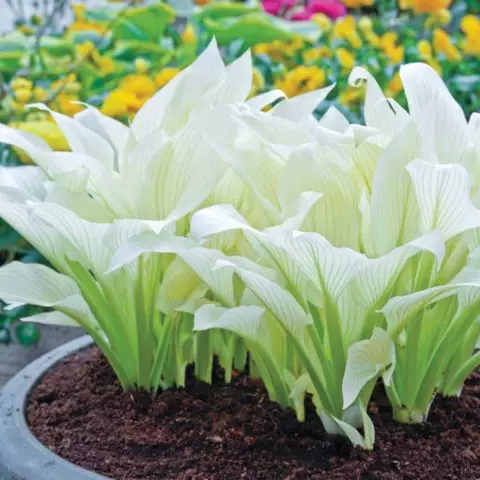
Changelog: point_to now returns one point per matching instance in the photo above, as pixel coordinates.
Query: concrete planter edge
(22, 456)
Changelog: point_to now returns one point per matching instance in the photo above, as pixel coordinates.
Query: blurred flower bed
(116, 57)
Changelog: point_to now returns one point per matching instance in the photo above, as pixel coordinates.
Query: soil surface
(230, 432)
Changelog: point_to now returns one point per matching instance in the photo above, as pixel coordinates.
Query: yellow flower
(426, 54)
(120, 103)
(395, 53)
(444, 16)
(314, 54)
(86, 26)
(189, 35)
(140, 85)
(258, 82)
(47, 131)
(165, 75)
(424, 49)
(365, 24)
(22, 95)
(64, 104)
(40, 94)
(346, 28)
(394, 86)
(72, 88)
(87, 51)
(21, 82)
(301, 79)
(322, 21)
(470, 26)
(358, 3)
(429, 6)
(345, 58)
(279, 50)
(442, 43)
(405, 4)
(141, 65)
(79, 10)
(84, 50)
(373, 39)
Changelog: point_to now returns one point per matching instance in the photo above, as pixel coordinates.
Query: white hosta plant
(77, 207)
(400, 303)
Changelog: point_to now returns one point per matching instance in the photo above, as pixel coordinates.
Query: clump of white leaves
(335, 254)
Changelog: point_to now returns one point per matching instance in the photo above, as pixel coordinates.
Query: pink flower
(277, 7)
(331, 8)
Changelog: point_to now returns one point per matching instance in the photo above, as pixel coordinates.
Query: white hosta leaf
(34, 284)
(200, 260)
(324, 170)
(353, 434)
(182, 172)
(366, 360)
(440, 119)
(329, 268)
(380, 112)
(180, 286)
(81, 139)
(297, 108)
(294, 215)
(372, 286)
(108, 128)
(238, 81)
(203, 261)
(443, 198)
(27, 142)
(170, 108)
(378, 274)
(394, 213)
(400, 310)
(334, 120)
(52, 318)
(81, 203)
(244, 321)
(264, 99)
(28, 179)
(365, 158)
(277, 300)
(19, 217)
(217, 219)
(135, 245)
(82, 240)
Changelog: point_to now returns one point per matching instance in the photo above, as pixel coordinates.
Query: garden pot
(22, 456)
(214, 432)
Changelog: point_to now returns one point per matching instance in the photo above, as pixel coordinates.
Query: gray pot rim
(22, 456)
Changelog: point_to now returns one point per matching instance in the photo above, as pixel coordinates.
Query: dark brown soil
(230, 432)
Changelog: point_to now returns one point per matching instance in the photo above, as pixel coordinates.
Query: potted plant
(211, 243)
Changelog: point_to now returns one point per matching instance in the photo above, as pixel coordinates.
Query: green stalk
(240, 355)
(320, 390)
(204, 355)
(267, 365)
(455, 383)
(104, 348)
(411, 357)
(437, 362)
(143, 351)
(161, 355)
